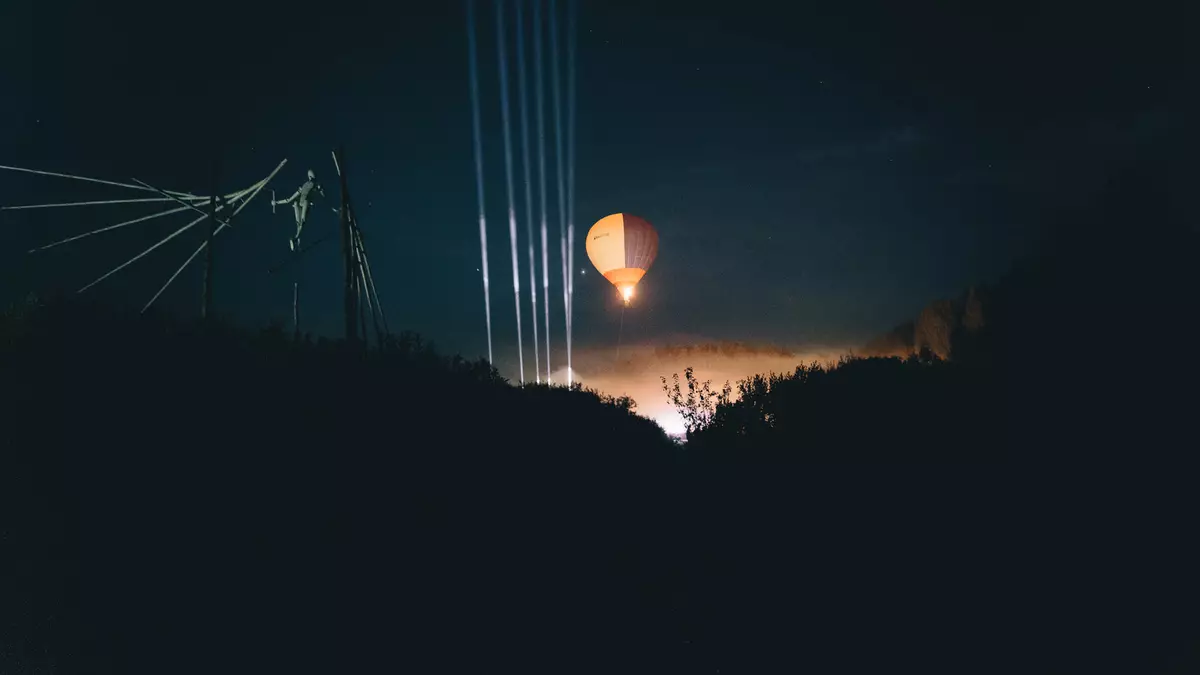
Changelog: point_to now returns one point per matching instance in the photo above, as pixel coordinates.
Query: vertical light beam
(541, 125)
(562, 190)
(572, 8)
(487, 300)
(502, 62)
(537, 367)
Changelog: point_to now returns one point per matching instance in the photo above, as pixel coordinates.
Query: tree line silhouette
(181, 497)
(1056, 361)
(198, 496)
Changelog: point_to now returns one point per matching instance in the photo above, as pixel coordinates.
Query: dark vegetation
(178, 498)
(223, 502)
(1062, 360)
(861, 409)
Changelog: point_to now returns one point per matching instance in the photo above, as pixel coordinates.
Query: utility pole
(296, 311)
(360, 282)
(207, 300)
(368, 287)
(360, 285)
(349, 291)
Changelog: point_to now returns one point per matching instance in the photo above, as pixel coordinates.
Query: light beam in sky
(537, 368)
(562, 190)
(501, 50)
(572, 6)
(537, 51)
(487, 300)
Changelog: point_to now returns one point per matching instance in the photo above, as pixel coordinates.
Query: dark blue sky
(817, 171)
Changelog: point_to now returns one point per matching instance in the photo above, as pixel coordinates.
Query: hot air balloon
(622, 247)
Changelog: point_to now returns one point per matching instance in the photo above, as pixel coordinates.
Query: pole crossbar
(233, 196)
(350, 299)
(259, 186)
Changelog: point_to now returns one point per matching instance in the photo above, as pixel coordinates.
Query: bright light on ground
(670, 423)
(637, 374)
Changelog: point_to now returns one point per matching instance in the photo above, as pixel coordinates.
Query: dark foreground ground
(177, 501)
(192, 502)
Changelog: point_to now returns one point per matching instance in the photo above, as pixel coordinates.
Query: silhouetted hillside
(177, 498)
(1070, 336)
(241, 503)
(861, 409)
(1063, 405)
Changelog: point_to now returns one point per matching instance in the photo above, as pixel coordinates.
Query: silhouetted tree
(698, 406)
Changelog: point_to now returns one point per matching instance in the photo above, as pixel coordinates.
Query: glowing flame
(627, 293)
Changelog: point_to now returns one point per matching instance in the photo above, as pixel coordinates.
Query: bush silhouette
(258, 491)
(858, 409)
(184, 498)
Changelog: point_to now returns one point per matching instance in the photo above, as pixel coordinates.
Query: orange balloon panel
(622, 247)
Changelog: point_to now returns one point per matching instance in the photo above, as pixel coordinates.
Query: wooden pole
(362, 249)
(358, 280)
(349, 295)
(362, 311)
(368, 287)
(207, 300)
(296, 310)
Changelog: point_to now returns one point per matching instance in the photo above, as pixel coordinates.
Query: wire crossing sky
(189, 202)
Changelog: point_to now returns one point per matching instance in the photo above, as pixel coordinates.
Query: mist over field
(636, 374)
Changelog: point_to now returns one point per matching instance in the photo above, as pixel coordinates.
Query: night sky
(817, 171)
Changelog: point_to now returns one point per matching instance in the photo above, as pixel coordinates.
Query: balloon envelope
(622, 247)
